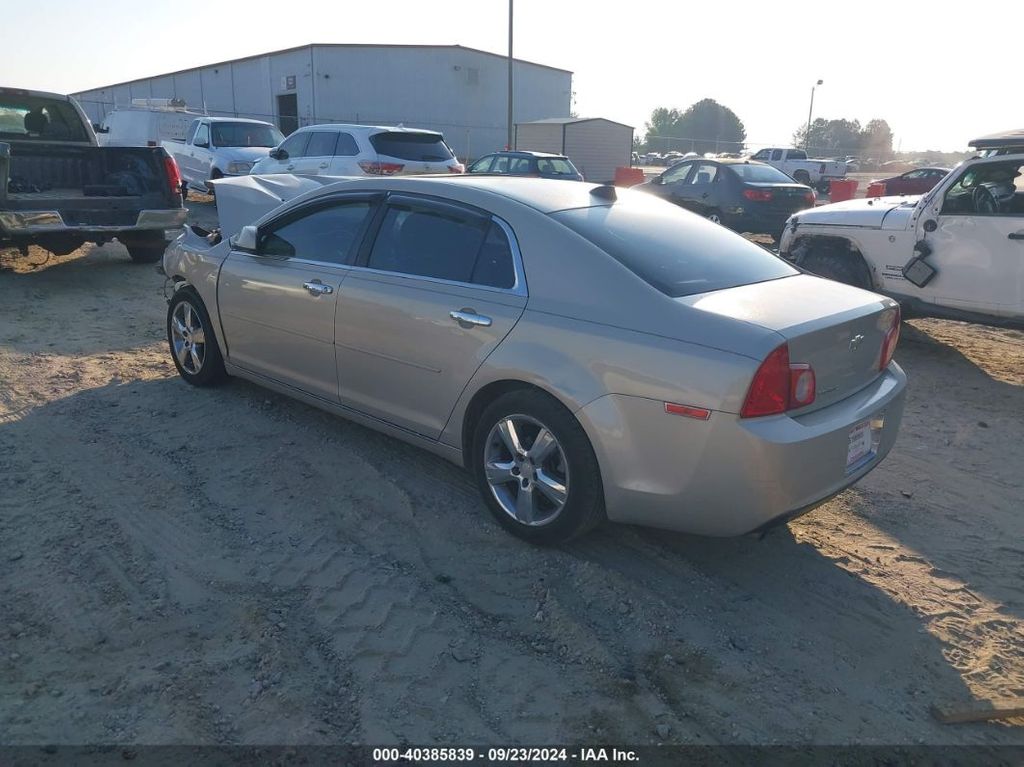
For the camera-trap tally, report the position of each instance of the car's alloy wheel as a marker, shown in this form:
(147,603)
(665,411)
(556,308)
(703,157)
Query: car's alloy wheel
(535,467)
(188,338)
(192,342)
(526,470)
(714,218)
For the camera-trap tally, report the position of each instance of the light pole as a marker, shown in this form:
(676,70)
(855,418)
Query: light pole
(807,135)
(511,126)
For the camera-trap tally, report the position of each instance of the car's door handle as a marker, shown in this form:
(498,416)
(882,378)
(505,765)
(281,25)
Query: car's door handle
(324,164)
(290,167)
(468,318)
(317,288)
(1016,236)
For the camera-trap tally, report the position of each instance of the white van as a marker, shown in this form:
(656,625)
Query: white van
(146,122)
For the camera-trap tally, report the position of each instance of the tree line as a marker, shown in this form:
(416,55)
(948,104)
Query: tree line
(709,127)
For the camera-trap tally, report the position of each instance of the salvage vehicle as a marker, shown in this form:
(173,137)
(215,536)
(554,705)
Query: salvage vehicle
(220,147)
(586,352)
(956,252)
(795,164)
(338,149)
(742,195)
(59,189)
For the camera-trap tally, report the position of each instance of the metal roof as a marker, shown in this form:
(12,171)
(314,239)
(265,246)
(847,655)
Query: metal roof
(568,120)
(310,46)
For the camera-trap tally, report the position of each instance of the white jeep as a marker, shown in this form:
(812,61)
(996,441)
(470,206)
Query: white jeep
(956,252)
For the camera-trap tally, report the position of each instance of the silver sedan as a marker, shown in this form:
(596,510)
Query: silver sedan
(587,353)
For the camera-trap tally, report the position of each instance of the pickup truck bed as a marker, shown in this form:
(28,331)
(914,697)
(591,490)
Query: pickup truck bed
(60,193)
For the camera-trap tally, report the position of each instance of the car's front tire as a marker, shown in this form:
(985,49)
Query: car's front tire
(536,468)
(192,341)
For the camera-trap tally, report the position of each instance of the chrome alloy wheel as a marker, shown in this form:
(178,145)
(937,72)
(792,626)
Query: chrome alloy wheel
(526,470)
(188,338)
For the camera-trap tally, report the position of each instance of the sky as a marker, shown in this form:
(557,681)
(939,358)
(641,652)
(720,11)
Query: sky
(917,65)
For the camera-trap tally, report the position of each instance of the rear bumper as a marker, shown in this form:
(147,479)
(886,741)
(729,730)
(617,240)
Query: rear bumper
(27,223)
(729,476)
(757,222)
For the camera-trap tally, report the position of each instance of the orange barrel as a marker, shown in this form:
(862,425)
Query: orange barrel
(842,189)
(876,189)
(628,176)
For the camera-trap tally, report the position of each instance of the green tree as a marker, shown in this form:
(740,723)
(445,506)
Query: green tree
(877,140)
(706,126)
(830,137)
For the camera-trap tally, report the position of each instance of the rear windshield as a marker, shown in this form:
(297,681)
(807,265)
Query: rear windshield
(673,250)
(39,118)
(245,134)
(760,173)
(421,147)
(555,166)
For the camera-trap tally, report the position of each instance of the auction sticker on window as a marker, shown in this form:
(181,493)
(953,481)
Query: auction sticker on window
(860,443)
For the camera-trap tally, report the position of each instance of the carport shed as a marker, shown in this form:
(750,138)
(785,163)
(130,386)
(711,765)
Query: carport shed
(595,145)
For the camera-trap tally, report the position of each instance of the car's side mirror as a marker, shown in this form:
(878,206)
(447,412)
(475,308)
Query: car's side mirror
(245,240)
(278,154)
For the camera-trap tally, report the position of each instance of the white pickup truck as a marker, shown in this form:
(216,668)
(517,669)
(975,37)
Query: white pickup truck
(795,164)
(219,147)
(956,252)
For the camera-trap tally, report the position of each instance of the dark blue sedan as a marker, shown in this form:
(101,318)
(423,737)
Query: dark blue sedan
(743,195)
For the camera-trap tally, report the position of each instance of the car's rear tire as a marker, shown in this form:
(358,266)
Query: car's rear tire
(802,177)
(536,469)
(833,264)
(192,341)
(714,216)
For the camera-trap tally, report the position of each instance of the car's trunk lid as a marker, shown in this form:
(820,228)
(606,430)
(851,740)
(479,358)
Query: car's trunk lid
(835,328)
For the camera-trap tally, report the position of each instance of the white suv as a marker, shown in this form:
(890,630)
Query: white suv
(359,150)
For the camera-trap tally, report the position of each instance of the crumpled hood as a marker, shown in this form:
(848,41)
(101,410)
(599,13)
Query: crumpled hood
(875,212)
(246,199)
(242,153)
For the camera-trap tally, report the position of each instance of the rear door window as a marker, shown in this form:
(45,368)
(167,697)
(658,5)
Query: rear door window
(672,250)
(418,147)
(347,146)
(519,165)
(321,144)
(555,166)
(442,242)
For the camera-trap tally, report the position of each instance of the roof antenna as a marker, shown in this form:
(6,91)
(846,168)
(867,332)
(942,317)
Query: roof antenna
(605,192)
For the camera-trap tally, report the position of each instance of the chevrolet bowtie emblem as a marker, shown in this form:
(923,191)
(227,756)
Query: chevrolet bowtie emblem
(855,342)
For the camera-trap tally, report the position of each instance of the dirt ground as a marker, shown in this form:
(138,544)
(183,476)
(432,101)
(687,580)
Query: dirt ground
(229,566)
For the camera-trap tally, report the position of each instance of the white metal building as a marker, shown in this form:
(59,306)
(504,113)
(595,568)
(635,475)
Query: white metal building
(459,91)
(595,145)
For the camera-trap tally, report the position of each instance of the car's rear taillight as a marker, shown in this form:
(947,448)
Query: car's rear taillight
(456,167)
(779,386)
(173,174)
(375,168)
(892,337)
(758,195)
(809,197)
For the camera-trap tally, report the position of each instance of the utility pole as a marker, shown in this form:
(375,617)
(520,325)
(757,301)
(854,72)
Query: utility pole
(511,125)
(807,135)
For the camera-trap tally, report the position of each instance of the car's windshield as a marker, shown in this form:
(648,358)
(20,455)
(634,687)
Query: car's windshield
(673,250)
(38,118)
(759,174)
(245,134)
